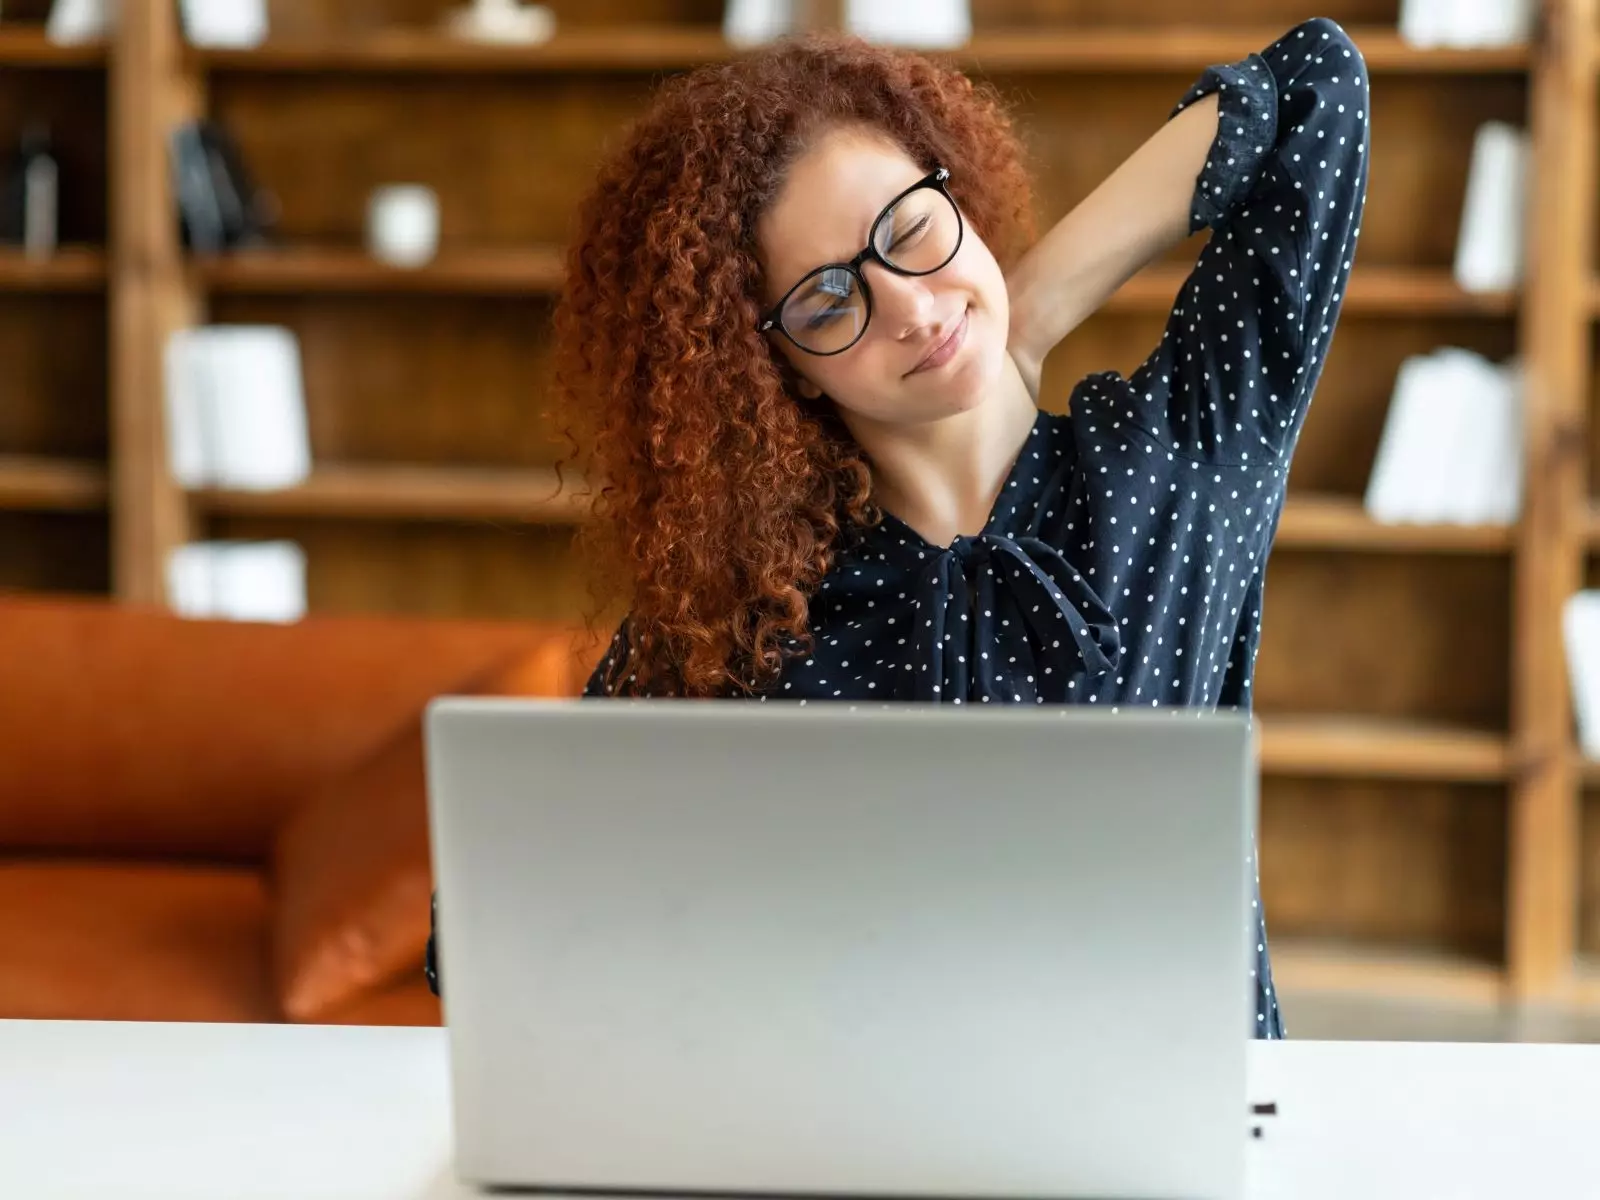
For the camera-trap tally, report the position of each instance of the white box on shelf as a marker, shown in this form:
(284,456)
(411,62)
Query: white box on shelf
(751,22)
(224,24)
(1466,24)
(927,24)
(502,22)
(1489,245)
(75,21)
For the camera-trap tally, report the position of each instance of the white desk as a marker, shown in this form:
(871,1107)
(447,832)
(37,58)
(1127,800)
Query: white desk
(237,1112)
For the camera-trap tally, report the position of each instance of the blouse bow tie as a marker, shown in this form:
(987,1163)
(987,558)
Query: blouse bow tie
(1009,619)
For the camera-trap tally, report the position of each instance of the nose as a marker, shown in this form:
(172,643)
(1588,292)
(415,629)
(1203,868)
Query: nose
(904,303)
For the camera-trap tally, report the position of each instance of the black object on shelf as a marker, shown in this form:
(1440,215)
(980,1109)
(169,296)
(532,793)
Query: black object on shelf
(219,205)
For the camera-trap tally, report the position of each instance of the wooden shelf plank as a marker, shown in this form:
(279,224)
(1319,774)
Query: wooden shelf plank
(653,48)
(408,492)
(1374,291)
(1341,523)
(51,485)
(535,269)
(23,45)
(69,269)
(1184,49)
(1591,528)
(424,51)
(1332,968)
(1377,748)
(475,271)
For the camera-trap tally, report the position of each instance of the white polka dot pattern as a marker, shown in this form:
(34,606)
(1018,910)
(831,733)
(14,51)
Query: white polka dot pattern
(1123,561)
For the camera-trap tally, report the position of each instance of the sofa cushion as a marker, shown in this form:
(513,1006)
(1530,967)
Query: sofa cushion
(86,940)
(138,732)
(351,873)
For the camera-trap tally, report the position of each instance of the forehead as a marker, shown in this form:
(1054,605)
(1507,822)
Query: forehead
(828,201)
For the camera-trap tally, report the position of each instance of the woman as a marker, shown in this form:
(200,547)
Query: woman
(802,337)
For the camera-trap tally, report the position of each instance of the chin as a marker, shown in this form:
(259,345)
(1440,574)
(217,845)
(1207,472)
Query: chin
(973,377)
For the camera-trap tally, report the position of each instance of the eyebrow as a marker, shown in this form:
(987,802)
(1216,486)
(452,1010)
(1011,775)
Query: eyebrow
(817,284)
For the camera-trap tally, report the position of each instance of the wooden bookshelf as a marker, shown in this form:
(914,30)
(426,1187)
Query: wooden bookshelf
(1340,523)
(48,485)
(1368,748)
(537,495)
(483,271)
(1374,291)
(27,46)
(531,270)
(667,48)
(397,492)
(68,269)
(1409,674)
(1411,974)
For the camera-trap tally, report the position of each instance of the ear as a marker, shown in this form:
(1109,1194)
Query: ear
(808,389)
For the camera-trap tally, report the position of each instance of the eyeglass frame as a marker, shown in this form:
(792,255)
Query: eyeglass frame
(938,178)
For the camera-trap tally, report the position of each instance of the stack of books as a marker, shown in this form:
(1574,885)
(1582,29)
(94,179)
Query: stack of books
(235,407)
(1451,449)
(1489,242)
(236,419)
(238,580)
(1467,23)
(1580,628)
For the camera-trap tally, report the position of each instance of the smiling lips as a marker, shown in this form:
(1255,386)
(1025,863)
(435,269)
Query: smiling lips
(945,350)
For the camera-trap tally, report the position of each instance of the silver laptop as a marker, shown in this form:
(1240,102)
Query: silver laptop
(702,947)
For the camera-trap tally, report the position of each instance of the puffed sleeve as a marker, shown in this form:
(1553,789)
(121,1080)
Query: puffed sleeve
(1282,191)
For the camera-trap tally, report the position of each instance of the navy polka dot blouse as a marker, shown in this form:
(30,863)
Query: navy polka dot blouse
(1123,561)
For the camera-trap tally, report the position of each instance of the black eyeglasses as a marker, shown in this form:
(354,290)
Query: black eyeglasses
(917,233)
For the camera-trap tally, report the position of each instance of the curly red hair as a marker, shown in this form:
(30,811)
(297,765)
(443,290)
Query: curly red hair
(720,494)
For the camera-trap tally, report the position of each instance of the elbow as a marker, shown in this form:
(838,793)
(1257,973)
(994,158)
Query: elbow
(1335,47)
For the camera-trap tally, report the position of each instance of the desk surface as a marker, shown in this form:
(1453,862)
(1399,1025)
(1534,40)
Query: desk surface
(114,1111)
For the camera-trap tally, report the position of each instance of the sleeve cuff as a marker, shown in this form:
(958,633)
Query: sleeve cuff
(1247,129)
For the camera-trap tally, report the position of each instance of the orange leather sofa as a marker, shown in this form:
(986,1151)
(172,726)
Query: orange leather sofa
(221,821)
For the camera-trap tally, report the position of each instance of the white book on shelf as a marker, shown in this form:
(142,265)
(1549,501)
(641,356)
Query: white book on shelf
(191,580)
(190,438)
(1423,22)
(1398,489)
(1505,494)
(257,407)
(1475,450)
(751,22)
(1445,472)
(235,408)
(261,581)
(930,24)
(1580,629)
(238,580)
(1489,244)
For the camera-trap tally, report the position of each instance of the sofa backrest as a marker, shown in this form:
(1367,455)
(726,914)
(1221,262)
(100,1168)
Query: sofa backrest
(132,731)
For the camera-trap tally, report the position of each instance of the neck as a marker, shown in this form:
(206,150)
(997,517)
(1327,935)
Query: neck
(942,478)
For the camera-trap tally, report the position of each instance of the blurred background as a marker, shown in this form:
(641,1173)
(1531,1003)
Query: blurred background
(275,295)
